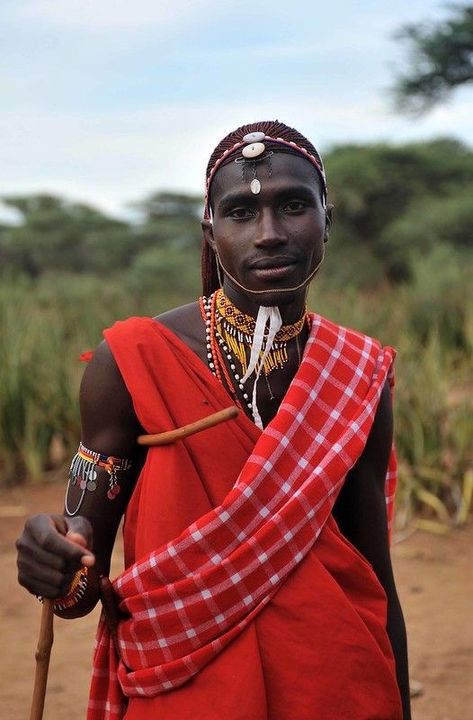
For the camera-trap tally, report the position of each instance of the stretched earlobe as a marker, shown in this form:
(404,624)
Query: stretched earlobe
(207,231)
(328,221)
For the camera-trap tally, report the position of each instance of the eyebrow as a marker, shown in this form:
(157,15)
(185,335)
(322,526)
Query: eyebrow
(246,197)
(235,198)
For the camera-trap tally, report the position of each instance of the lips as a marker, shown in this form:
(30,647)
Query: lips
(273,268)
(272,263)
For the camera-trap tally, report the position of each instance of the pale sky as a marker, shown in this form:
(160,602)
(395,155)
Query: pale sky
(105,101)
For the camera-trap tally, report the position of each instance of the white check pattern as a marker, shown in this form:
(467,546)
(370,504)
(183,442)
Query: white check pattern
(189,599)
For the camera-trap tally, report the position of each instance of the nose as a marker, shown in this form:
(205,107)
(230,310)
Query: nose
(269,229)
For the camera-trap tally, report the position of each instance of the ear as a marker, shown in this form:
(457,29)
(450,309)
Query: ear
(207,231)
(328,221)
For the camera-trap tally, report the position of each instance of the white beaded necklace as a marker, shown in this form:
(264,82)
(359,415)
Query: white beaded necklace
(207,304)
(266,316)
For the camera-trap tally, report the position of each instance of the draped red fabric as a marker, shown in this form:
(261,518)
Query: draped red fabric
(319,648)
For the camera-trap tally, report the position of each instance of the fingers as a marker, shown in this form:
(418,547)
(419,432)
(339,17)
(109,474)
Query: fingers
(87,558)
(43,532)
(50,550)
(46,581)
(78,531)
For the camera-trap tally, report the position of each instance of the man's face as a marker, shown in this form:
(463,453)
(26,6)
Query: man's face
(272,240)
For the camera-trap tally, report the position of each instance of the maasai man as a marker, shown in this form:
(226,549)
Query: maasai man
(258,582)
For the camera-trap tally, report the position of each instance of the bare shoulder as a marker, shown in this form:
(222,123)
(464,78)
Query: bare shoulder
(102,376)
(107,414)
(186,322)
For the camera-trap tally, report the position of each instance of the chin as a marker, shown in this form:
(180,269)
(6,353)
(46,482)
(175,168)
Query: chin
(277,296)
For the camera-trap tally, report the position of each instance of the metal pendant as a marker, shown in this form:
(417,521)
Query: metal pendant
(113,492)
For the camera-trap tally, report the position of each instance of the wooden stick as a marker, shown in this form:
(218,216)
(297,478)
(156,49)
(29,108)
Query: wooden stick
(43,653)
(171,436)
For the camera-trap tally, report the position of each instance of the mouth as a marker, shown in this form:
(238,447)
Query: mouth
(271,268)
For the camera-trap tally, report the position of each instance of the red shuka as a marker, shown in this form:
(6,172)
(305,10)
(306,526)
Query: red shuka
(320,648)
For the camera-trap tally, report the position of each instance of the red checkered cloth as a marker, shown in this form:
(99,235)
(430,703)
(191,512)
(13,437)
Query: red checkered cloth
(189,599)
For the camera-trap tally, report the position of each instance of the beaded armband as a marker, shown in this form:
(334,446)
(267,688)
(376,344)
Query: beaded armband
(83,472)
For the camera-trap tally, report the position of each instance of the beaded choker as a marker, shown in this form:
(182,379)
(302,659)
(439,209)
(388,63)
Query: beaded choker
(237,330)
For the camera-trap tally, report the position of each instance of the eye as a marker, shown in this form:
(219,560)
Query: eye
(241,213)
(294,206)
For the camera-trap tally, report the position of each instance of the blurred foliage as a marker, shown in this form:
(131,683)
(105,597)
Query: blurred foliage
(55,235)
(441,59)
(429,322)
(392,203)
(398,266)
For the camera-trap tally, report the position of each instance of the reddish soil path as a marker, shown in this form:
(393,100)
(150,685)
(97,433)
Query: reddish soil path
(435,582)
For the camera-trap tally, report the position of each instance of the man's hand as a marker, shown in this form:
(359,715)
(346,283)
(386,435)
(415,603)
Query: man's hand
(50,550)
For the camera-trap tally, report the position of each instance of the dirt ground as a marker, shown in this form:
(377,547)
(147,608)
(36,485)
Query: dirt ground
(434,578)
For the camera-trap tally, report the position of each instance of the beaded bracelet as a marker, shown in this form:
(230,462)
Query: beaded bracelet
(75,593)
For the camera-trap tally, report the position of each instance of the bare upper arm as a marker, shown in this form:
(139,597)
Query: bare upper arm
(360,509)
(110,427)
(108,418)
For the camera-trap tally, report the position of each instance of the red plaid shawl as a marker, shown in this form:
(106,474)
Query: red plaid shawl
(188,599)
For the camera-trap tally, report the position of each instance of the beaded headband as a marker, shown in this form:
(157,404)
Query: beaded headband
(253,145)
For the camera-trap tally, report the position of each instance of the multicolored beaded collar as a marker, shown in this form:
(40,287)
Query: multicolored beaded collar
(230,337)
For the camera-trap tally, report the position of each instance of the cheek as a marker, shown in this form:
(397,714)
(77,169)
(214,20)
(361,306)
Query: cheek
(225,248)
(311,239)
(229,243)
(319,228)
(310,232)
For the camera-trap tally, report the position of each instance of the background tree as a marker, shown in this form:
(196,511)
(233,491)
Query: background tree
(441,60)
(169,219)
(394,202)
(54,234)
(391,203)
(168,241)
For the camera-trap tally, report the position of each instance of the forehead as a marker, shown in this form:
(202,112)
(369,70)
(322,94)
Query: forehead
(281,169)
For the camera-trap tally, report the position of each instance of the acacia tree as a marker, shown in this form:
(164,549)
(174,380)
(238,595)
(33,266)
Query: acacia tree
(57,235)
(441,59)
(53,234)
(392,202)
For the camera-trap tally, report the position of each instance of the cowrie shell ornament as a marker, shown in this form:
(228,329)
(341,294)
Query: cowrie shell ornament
(255,186)
(254,137)
(254,150)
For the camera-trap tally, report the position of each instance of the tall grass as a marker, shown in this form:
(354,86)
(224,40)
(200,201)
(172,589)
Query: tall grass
(46,324)
(430,323)
(44,327)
